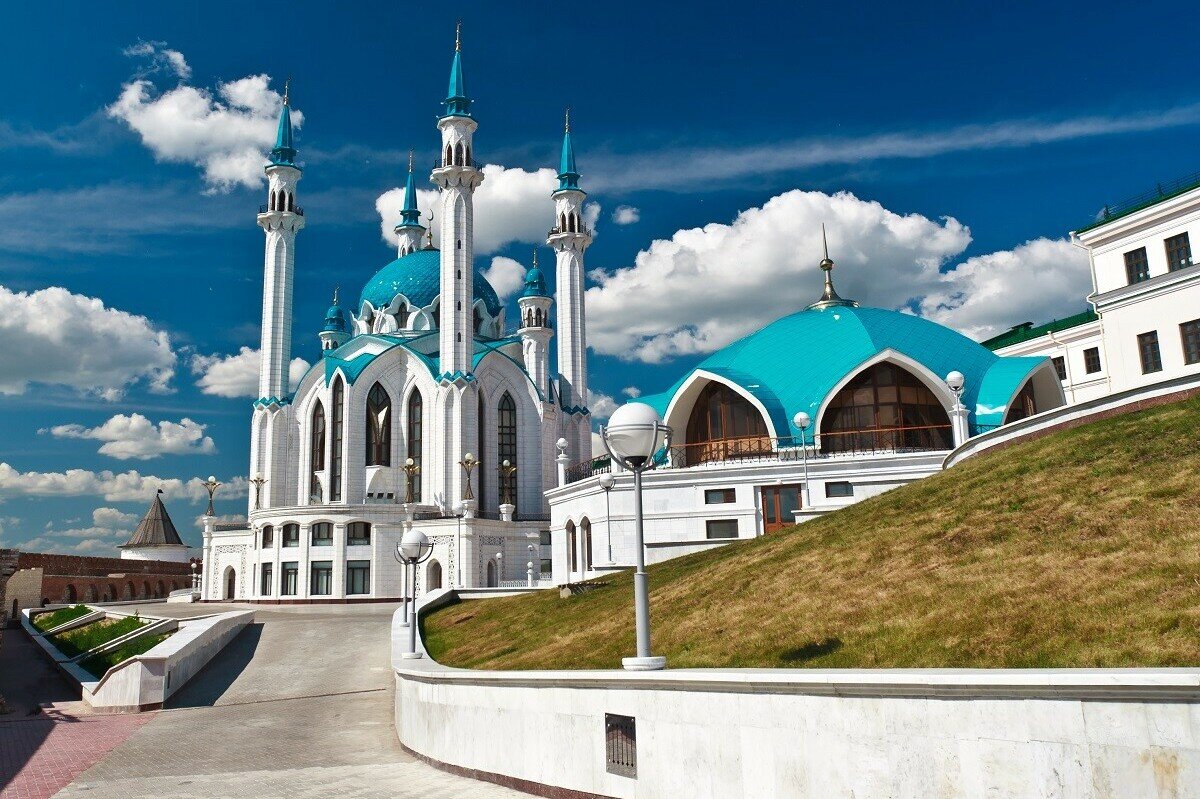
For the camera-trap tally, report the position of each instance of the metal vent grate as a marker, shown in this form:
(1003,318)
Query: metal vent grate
(620,745)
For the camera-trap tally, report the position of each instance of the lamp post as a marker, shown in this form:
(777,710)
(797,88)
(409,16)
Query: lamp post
(468,463)
(412,470)
(802,420)
(413,550)
(956,382)
(257,481)
(212,485)
(194,583)
(634,433)
(507,469)
(607,481)
(499,568)
(529,569)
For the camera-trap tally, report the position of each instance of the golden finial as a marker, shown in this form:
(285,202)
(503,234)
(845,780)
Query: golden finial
(458,36)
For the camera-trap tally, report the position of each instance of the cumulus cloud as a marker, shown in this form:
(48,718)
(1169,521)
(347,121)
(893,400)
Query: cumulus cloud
(130,486)
(626,215)
(225,132)
(510,205)
(136,436)
(54,337)
(601,405)
(237,375)
(633,392)
(506,276)
(159,58)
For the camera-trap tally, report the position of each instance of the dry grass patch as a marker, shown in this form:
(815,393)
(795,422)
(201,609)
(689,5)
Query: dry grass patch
(1078,549)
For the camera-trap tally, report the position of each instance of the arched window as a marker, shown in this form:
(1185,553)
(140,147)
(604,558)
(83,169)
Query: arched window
(1022,405)
(585,527)
(335,458)
(572,559)
(402,316)
(467,154)
(449,156)
(316,459)
(506,446)
(493,581)
(459,155)
(433,576)
(414,440)
(481,452)
(145,591)
(160,590)
(379,427)
(887,408)
(724,424)
(562,223)
(129,589)
(478,320)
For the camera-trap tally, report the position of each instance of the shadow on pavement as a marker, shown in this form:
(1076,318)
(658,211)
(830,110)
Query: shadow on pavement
(218,674)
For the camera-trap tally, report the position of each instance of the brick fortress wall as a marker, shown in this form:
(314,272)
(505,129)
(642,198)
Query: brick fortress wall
(83,578)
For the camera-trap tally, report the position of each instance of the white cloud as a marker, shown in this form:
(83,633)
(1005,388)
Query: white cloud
(510,205)
(130,486)
(226,132)
(626,215)
(159,58)
(601,405)
(237,375)
(633,392)
(54,337)
(506,276)
(136,436)
(113,519)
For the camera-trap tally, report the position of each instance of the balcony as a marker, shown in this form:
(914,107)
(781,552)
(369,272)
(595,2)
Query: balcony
(298,211)
(473,164)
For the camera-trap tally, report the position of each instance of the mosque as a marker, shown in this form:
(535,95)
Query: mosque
(427,409)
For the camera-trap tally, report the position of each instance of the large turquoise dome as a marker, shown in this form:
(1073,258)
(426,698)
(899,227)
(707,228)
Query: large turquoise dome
(795,363)
(418,277)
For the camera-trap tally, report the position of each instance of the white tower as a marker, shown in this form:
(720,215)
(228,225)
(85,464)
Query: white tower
(570,238)
(458,177)
(281,219)
(410,231)
(535,329)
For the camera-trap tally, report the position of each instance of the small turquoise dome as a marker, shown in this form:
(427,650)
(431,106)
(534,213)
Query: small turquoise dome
(535,283)
(418,277)
(335,319)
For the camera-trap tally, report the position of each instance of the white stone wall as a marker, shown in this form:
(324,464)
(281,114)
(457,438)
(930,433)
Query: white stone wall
(1070,345)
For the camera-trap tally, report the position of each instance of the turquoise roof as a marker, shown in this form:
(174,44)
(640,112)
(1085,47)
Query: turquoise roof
(410,215)
(794,363)
(335,319)
(568,175)
(418,277)
(535,283)
(457,103)
(284,152)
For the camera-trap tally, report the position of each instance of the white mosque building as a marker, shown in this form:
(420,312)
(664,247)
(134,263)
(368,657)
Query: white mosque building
(424,409)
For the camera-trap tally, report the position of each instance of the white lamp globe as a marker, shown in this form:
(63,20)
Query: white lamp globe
(802,420)
(955,380)
(212,478)
(468,457)
(562,444)
(414,545)
(409,462)
(631,432)
(607,481)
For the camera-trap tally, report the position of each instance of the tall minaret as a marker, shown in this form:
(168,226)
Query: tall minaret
(570,237)
(410,231)
(458,177)
(281,220)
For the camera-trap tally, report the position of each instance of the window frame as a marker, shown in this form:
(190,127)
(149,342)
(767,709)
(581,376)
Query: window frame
(1149,352)
(353,575)
(325,569)
(289,569)
(1189,339)
(378,439)
(266,579)
(267,537)
(1137,266)
(1060,367)
(1088,354)
(1176,246)
(709,525)
(414,433)
(729,496)
(324,541)
(287,535)
(838,493)
(353,540)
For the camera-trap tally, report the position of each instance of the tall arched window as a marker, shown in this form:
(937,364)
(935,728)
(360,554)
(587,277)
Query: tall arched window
(379,427)
(414,440)
(449,156)
(724,424)
(402,316)
(886,407)
(317,453)
(506,446)
(458,154)
(481,452)
(335,455)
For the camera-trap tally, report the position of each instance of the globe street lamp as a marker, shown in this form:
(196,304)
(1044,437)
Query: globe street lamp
(956,381)
(468,463)
(507,469)
(212,485)
(257,481)
(607,481)
(413,550)
(802,420)
(412,470)
(634,433)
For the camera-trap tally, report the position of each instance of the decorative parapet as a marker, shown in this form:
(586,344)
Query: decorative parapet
(272,403)
(458,378)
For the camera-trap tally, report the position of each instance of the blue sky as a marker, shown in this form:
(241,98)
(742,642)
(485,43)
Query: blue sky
(968,142)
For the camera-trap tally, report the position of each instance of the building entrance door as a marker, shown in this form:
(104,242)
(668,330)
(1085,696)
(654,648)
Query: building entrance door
(779,504)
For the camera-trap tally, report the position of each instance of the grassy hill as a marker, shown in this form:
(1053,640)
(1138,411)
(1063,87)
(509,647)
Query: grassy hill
(1078,549)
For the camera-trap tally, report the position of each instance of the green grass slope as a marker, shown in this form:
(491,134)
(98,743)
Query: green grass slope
(1076,550)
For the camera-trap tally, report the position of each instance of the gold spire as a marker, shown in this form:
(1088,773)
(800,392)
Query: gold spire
(336,289)
(458,36)
(829,297)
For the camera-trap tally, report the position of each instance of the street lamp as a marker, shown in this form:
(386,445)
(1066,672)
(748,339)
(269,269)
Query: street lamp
(194,582)
(257,481)
(411,469)
(499,568)
(468,463)
(802,420)
(634,433)
(507,469)
(956,381)
(607,481)
(212,485)
(413,550)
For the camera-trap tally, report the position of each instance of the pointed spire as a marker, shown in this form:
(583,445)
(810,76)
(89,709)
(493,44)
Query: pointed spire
(535,282)
(568,175)
(410,215)
(457,103)
(284,152)
(830,297)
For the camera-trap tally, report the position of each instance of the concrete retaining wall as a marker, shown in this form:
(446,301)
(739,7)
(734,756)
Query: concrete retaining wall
(813,733)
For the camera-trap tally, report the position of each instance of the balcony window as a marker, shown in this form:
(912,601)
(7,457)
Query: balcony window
(1179,252)
(1091,360)
(1149,352)
(1137,268)
(724,425)
(1189,332)
(322,534)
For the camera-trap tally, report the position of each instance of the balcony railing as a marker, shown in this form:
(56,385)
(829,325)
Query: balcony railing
(589,468)
(298,211)
(440,164)
(555,231)
(1161,192)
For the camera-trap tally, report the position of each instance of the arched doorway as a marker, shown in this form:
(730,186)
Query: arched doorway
(230,582)
(70,594)
(1023,405)
(885,408)
(492,580)
(433,576)
(129,590)
(92,593)
(160,590)
(145,591)
(724,425)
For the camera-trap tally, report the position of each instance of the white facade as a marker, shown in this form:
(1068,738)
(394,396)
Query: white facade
(1078,351)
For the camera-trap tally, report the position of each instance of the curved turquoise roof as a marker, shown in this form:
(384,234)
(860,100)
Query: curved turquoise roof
(794,363)
(535,283)
(418,277)
(335,319)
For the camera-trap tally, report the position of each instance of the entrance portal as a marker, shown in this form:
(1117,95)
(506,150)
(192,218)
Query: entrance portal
(779,504)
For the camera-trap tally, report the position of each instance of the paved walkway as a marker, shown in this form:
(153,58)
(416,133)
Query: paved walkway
(299,705)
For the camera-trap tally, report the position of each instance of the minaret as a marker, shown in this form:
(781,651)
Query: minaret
(458,177)
(410,231)
(335,333)
(570,238)
(535,330)
(281,218)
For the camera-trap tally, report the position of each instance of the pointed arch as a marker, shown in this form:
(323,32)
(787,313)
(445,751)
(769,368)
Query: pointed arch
(449,159)
(506,445)
(337,433)
(414,436)
(379,427)
(481,443)
(885,406)
(433,576)
(467,154)
(458,154)
(316,456)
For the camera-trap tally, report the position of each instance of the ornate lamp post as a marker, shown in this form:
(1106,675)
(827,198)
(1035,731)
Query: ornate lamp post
(507,469)
(607,481)
(802,420)
(412,470)
(212,485)
(413,550)
(634,433)
(257,481)
(468,463)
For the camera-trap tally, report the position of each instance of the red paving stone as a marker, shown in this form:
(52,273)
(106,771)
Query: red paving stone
(40,756)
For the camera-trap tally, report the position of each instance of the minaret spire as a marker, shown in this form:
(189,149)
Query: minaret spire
(284,151)
(568,175)
(457,103)
(830,297)
(409,231)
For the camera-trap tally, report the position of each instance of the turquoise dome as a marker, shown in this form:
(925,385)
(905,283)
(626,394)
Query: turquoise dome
(335,319)
(418,277)
(535,283)
(794,363)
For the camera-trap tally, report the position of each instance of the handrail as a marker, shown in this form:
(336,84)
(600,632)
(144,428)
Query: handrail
(1137,202)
